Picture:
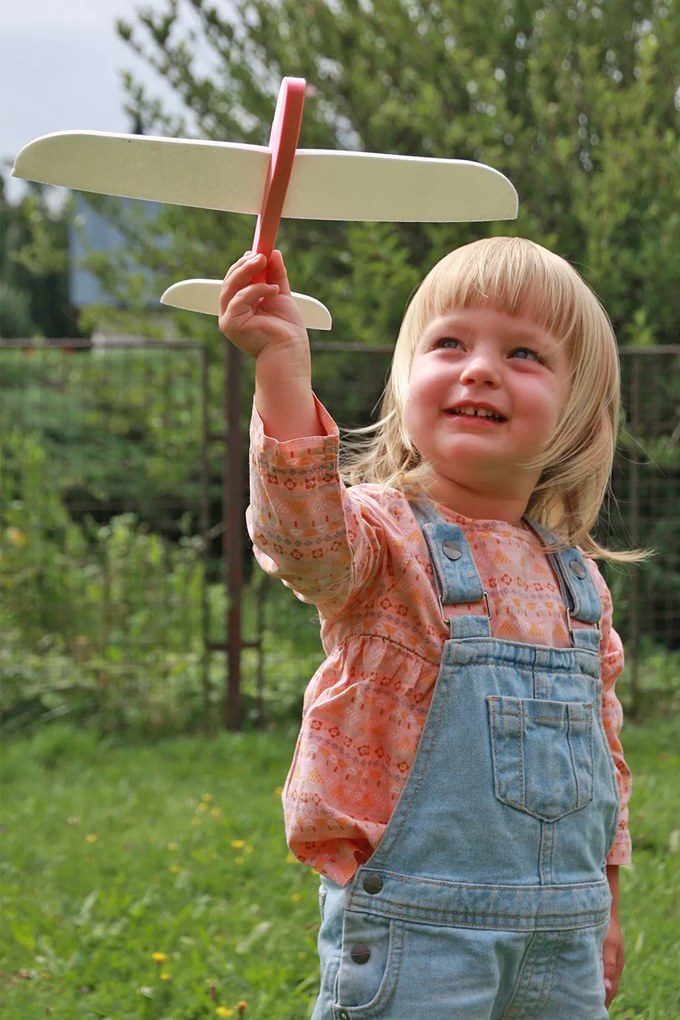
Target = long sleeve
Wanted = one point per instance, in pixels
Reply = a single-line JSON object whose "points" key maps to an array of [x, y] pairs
{"points": [[307, 528], [611, 652]]}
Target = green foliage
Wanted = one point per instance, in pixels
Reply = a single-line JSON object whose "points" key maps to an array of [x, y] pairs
{"points": [[575, 102], [114, 853], [121, 429], [34, 267], [15, 312], [101, 622]]}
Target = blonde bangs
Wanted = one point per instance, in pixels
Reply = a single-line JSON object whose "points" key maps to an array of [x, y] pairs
{"points": [[522, 279]]}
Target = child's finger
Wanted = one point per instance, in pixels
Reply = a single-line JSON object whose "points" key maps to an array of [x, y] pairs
{"points": [[237, 264], [276, 272], [612, 959], [248, 298], [238, 276]]}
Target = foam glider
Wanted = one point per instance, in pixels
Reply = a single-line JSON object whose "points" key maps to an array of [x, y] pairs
{"points": [[273, 181]]}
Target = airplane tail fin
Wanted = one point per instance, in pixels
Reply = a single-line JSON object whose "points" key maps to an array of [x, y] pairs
{"points": [[204, 296]]}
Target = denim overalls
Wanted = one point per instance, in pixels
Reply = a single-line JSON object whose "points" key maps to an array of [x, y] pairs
{"points": [[486, 898]]}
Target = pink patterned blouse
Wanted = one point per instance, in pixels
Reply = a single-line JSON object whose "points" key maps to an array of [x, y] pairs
{"points": [[359, 556]]}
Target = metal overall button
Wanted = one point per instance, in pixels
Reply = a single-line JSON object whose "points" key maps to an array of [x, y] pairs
{"points": [[452, 549], [373, 884], [578, 569], [361, 953]]}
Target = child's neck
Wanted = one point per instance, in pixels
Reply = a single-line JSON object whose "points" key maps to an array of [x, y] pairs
{"points": [[479, 505]]}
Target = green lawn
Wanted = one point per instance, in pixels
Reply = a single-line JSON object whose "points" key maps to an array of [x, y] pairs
{"points": [[115, 853]]}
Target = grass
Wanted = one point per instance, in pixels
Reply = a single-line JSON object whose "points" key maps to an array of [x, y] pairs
{"points": [[115, 853]]}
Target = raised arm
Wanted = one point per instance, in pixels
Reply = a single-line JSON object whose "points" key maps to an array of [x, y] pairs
{"points": [[263, 320]]}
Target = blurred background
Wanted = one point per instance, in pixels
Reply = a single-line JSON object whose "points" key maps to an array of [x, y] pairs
{"points": [[130, 610]]}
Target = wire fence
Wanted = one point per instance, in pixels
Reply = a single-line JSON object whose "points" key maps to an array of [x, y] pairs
{"points": [[105, 504], [113, 571]]}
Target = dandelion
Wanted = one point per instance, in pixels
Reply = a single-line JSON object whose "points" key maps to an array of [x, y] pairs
{"points": [[202, 807], [238, 844], [16, 536], [241, 1006], [224, 1011], [175, 869], [207, 797], [216, 812], [164, 976], [278, 791], [239, 860], [296, 897], [173, 846], [159, 958], [91, 838]]}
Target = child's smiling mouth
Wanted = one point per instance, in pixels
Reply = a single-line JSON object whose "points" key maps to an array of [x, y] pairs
{"points": [[476, 411]]}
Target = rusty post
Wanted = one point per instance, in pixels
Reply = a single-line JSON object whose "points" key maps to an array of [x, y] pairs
{"points": [[233, 535], [204, 525]]}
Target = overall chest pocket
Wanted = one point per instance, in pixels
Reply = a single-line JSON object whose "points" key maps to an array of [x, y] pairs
{"points": [[542, 755]]}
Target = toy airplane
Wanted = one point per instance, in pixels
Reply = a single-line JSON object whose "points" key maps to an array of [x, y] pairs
{"points": [[270, 181]]}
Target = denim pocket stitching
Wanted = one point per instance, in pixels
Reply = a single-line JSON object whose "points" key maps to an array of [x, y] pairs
{"points": [[586, 720], [388, 981], [508, 743]]}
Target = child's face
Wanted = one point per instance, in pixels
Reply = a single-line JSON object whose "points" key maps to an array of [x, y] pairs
{"points": [[486, 392]]}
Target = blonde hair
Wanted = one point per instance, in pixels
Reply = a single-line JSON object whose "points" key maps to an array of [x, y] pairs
{"points": [[519, 277]]}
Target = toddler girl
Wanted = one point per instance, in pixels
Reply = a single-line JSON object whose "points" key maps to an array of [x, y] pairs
{"points": [[458, 780]]}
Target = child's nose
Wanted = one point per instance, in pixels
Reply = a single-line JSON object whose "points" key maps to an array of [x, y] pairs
{"points": [[481, 368]]}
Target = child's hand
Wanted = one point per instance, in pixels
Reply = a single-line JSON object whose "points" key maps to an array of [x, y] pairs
{"points": [[257, 316], [612, 958], [263, 320]]}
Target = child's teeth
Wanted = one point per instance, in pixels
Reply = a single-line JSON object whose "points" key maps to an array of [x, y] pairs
{"points": [[474, 412]]}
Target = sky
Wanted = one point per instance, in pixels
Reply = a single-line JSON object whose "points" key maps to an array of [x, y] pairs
{"points": [[60, 70]]}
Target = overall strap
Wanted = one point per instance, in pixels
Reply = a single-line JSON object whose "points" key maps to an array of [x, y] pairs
{"points": [[456, 575], [578, 589]]}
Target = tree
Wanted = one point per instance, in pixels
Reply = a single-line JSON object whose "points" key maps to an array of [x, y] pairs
{"points": [[576, 102], [34, 267]]}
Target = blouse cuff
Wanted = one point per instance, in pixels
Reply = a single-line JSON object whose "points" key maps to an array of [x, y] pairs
{"points": [[327, 442]]}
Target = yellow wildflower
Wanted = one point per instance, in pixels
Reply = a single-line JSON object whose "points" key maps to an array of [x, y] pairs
{"points": [[224, 1011], [159, 957], [164, 976], [238, 844], [296, 897], [207, 797], [175, 869], [91, 838]]}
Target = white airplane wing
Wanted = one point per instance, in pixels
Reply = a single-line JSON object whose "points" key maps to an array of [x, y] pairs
{"points": [[325, 184]]}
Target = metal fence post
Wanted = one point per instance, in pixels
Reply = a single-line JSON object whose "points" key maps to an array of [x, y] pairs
{"points": [[233, 536]]}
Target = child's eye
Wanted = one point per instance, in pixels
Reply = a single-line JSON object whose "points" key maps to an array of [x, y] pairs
{"points": [[526, 354], [448, 342]]}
